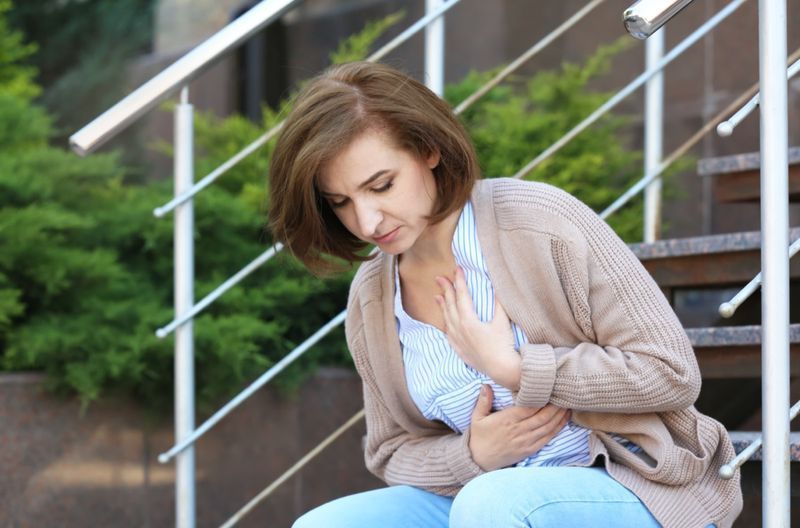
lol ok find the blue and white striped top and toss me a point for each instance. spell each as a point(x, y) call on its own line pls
point(444, 387)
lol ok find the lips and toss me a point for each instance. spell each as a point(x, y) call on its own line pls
point(387, 237)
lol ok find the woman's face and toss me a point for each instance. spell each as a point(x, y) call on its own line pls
point(380, 193)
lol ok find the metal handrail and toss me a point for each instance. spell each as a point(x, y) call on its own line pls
point(262, 380)
point(725, 128)
point(221, 289)
point(528, 55)
point(683, 149)
point(727, 309)
point(263, 139)
point(632, 86)
point(674, 156)
point(774, 213)
point(300, 464)
point(728, 470)
point(643, 18)
point(126, 111)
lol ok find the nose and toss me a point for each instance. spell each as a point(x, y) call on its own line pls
point(368, 217)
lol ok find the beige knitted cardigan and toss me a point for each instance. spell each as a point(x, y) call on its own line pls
point(604, 342)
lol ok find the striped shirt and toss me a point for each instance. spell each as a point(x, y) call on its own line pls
point(444, 387)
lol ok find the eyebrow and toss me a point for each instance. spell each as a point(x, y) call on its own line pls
point(363, 184)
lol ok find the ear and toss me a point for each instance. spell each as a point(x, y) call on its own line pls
point(433, 159)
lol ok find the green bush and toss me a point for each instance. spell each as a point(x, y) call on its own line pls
point(513, 123)
point(86, 271)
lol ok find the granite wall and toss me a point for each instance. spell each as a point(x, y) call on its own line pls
point(62, 467)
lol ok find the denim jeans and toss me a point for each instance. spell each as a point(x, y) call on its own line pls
point(540, 497)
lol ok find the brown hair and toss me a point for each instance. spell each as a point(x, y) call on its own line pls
point(329, 113)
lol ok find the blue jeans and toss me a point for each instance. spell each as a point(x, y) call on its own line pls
point(523, 497)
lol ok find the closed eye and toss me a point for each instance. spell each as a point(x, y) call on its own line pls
point(336, 205)
point(385, 187)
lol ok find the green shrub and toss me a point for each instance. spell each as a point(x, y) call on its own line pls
point(513, 123)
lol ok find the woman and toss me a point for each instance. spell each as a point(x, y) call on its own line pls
point(520, 367)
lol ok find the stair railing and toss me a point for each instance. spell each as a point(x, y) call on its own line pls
point(527, 55)
point(173, 78)
point(262, 140)
point(645, 17)
point(641, 184)
point(775, 362)
point(726, 128)
point(632, 86)
point(727, 309)
point(728, 470)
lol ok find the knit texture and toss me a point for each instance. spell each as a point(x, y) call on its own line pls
point(604, 343)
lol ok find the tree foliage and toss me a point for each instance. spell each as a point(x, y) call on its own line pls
point(82, 68)
point(86, 271)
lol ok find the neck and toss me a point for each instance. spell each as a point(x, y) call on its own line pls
point(435, 244)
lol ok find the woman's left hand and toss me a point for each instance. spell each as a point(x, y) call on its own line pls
point(486, 347)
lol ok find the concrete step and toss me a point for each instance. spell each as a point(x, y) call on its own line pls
point(735, 351)
point(714, 260)
point(736, 178)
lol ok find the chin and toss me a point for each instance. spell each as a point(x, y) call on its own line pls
point(393, 249)
point(396, 247)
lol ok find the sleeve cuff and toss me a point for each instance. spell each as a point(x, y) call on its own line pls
point(537, 376)
point(460, 461)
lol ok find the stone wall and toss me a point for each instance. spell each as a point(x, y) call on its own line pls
point(64, 467)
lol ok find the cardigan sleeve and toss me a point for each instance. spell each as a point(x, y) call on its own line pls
point(440, 462)
point(639, 358)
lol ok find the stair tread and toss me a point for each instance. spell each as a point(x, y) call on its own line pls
point(742, 439)
point(703, 245)
point(738, 162)
point(733, 335)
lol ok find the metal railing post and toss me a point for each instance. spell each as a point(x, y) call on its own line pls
point(774, 262)
point(184, 300)
point(653, 135)
point(434, 50)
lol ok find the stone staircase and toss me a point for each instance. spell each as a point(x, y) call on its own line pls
point(736, 178)
point(697, 274)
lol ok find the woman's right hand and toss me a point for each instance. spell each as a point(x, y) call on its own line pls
point(503, 438)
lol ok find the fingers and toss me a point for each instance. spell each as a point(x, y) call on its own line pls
point(548, 416)
point(447, 302)
point(463, 298)
point(484, 405)
point(538, 442)
point(455, 300)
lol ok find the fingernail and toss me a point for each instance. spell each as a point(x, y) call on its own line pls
point(483, 391)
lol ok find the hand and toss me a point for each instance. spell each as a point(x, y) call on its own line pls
point(486, 347)
point(503, 438)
